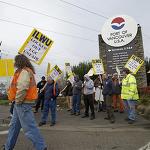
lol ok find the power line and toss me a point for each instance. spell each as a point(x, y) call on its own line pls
point(60, 33)
point(92, 12)
point(43, 14)
point(89, 11)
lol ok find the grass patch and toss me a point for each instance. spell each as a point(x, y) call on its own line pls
point(4, 102)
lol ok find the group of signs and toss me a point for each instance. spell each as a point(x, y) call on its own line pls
point(133, 64)
point(37, 46)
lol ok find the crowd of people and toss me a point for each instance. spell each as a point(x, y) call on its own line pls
point(105, 90)
point(109, 93)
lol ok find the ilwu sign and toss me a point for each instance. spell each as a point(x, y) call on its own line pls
point(36, 46)
point(119, 30)
point(134, 64)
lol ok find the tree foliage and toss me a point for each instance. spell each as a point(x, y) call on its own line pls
point(81, 69)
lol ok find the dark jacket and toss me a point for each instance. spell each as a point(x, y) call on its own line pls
point(68, 90)
point(77, 87)
point(49, 91)
point(40, 85)
point(108, 87)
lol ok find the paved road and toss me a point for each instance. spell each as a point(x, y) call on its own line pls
point(76, 133)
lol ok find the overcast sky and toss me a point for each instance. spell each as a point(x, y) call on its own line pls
point(67, 48)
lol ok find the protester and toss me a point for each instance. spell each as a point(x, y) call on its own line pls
point(24, 92)
point(107, 93)
point(40, 100)
point(129, 94)
point(88, 97)
point(51, 93)
point(98, 94)
point(77, 87)
point(117, 94)
point(68, 94)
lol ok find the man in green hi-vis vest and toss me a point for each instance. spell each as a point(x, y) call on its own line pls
point(129, 94)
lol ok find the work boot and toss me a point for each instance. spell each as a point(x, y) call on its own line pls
point(112, 120)
point(92, 117)
point(73, 113)
point(107, 118)
point(42, 123)
point(69, 109)
point(85, 116)
point(126, 119)
point(116, 110)
point(131, 121)
point(52, 124)
point(77, 114)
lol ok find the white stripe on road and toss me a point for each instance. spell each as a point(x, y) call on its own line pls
point(3, 132)
point(145, 147)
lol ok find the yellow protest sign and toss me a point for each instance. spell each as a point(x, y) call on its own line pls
point(134, 64)
point(55, 73)
point(6, 67)
point(36, 46)
point(97, 66)
point(68, 68)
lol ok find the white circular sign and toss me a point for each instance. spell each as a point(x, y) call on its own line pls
point(119, 30)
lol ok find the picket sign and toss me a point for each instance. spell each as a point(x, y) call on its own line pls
point(36, 46)
point(97, 66)
point(55, 73)
point(134, 64)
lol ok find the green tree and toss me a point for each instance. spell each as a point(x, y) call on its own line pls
point(81, 69)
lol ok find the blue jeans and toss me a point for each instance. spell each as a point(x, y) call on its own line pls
point(49, 104)
point(76, 103)
point(23, 118)
point(130, 108)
